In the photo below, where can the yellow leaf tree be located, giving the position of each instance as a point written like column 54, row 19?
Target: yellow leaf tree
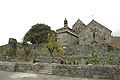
column 54, row 45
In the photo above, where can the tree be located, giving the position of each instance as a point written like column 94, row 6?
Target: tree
column 38, row 34
column 54, row 45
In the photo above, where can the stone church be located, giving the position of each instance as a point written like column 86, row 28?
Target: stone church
column 92, row 34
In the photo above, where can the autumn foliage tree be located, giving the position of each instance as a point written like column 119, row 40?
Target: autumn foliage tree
column 54, row 46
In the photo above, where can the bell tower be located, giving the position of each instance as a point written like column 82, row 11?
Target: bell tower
column 65, row 23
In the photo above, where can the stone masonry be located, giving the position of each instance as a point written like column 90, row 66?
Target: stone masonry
column 81, row 71
column 93, row 35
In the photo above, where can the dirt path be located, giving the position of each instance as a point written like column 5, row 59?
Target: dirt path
column 29, row 76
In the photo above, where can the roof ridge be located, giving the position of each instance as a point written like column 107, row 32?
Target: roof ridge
column 78, row 22
column 98, row 24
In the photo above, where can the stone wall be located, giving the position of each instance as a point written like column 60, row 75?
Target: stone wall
column 94, row 33
column 25, row 67
column 4, row 48
column 43, row 55
column 67, row 39
column 38, row 50
column 82, row 71
column 104, row 48
column 7, row 66
column 87, row 71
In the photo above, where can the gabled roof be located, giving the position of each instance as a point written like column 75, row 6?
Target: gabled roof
column 78, row 26
column 93, row 21
column 78, row 22
column 67, row 29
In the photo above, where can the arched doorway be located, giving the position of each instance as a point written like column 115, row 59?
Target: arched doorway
column 94, row 43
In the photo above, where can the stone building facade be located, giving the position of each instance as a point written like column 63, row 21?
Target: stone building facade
column 67, row 35
column 92, row 34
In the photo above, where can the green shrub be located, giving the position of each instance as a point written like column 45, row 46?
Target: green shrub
column 104, row 59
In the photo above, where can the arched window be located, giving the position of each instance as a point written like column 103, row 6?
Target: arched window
column 93, row 34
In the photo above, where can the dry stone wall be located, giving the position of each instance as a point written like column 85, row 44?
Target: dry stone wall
column 82, row 71
column 87, row 71
column 43, row 55
column 38, row 50
column 4, row 48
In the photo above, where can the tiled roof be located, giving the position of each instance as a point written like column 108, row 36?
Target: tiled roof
column 71, row 31
column 67, row 29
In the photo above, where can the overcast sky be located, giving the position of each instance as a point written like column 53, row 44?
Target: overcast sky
column 17, row 16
